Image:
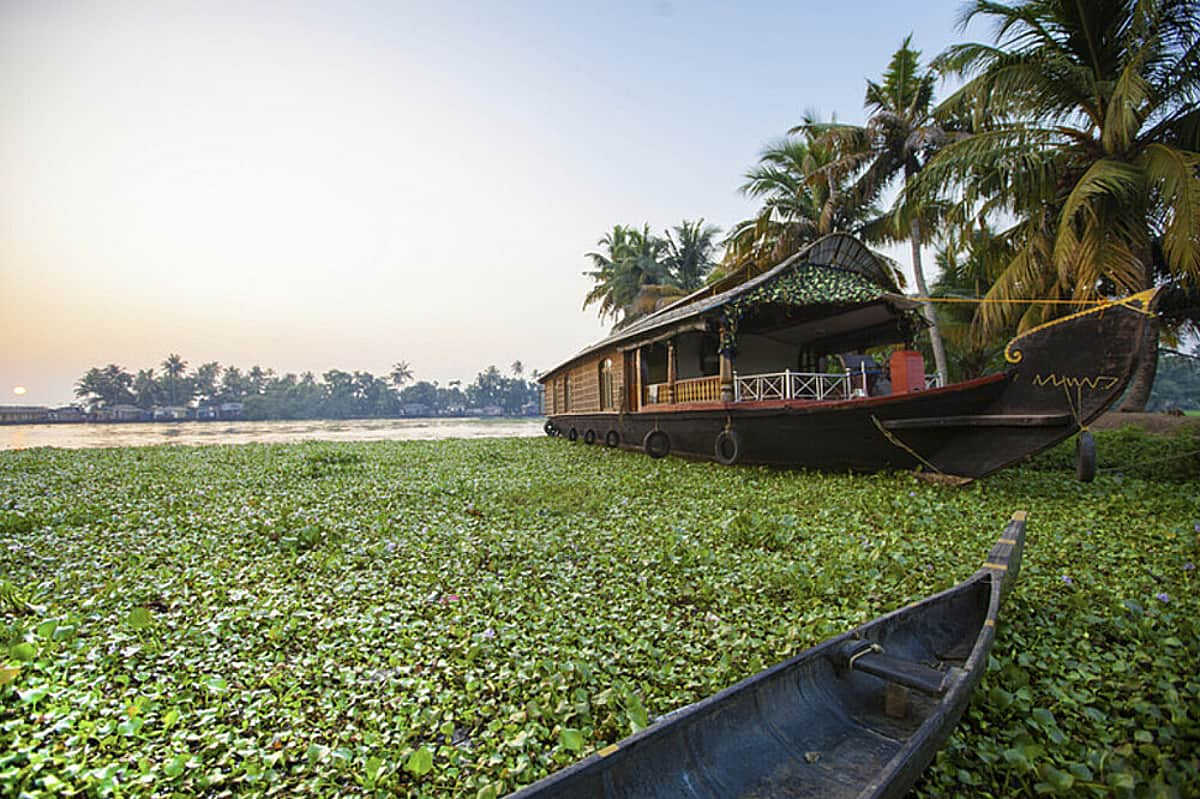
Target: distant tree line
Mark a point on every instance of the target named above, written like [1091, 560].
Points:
[336, 394]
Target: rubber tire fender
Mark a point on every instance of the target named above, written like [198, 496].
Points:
[612, 439]
[589, 437]
[550, 429]
[657, 444]
[727, 449]
[1085, 457]
[572, 434]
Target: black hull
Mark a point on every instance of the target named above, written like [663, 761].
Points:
[1063, 375]
[815, 726]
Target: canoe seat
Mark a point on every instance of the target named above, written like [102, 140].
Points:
[869, 658]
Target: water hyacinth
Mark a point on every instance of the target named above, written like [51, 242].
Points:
[257, 666]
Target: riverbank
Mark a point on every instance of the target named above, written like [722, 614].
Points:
[458, 618]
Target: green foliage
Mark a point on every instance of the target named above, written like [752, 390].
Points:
[634, 269]
[1176, 383]
[1130, 451]
[473, 615]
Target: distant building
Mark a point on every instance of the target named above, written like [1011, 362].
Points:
[68, 413]
[492, 410]
[416, 409]
[172, 413]
[122, 413]
[231, 410]
[23, 414]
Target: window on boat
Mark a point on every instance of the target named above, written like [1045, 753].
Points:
[606, 385]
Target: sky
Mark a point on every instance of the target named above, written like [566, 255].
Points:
[310, 186]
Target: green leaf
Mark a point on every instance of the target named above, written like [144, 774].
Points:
[1043, 717]
[571, 739]
[419, 762]
[139, 618]
[1059, 781]
[9, 673]
[24, 652]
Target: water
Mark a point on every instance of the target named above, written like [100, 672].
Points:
[82, 436]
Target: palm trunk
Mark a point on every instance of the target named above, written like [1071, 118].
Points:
[935, 334]
[1143, 375]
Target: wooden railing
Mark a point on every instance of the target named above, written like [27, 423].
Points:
[698, 389]
[788, 385]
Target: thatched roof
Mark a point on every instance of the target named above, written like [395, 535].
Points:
[836, 269]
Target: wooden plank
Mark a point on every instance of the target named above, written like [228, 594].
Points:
[982, 420]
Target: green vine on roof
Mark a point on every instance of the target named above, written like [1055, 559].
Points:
[806, 284]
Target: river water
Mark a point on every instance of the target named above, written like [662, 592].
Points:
[140, 434]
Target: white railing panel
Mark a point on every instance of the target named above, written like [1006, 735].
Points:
[788, 385]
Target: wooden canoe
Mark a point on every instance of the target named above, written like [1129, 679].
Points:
[860, 715]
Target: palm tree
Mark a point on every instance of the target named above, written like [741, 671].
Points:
[689, 253]
[897, 141]
[964, 273]
[626, 271]
[1088, 139]
[518, 368]
[401, 373]
[105, 387]
[174, 366]
[802, 190]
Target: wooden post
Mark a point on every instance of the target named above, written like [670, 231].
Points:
[672, 371]
[726, 372]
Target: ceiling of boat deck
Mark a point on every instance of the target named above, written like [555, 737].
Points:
[877, 323]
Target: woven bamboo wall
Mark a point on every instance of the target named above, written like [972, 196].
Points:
[584, 388]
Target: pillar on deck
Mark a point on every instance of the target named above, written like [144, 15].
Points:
[726, 371]
[672, 375]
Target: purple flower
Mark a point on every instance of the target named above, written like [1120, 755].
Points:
[1067, 580]
[1163, 597]
[489, 633]
[1189, 566]
[1196, 527]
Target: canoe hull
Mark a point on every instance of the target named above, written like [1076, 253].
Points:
[811, 726]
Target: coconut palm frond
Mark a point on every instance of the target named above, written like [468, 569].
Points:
[1174, 172]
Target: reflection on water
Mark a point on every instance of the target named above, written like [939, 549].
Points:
[76, 436]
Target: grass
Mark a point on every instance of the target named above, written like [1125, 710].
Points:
[460, 618]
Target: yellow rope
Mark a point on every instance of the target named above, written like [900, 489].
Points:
[996, 301]
[890, 436]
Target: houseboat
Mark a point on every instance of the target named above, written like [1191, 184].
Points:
[774, 370]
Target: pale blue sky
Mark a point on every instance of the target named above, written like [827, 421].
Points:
[343, 185]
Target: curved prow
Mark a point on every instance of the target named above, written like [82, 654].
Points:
[1004, 561]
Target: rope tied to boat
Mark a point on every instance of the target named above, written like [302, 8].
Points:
[891, 437]
[1101, 303]
[866, 650]
[1071, 404]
